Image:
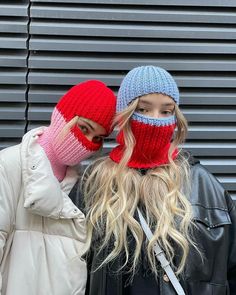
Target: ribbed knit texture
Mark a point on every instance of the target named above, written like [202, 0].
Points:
[152, 143]
[152, 135]
[145, 80]
[92, 100]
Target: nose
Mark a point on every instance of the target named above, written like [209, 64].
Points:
[156, 114]
[89, 137]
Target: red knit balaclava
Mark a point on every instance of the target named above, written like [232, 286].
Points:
[152, 135]
[91, 100]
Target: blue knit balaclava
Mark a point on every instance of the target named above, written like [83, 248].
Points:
[152, 135]
[145, 80]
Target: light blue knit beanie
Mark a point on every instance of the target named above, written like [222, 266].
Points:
[145, 80]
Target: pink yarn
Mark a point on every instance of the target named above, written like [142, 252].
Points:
[62, 152]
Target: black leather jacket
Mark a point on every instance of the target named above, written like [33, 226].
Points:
[215, 216]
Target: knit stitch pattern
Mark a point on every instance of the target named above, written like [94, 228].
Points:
[145, 80]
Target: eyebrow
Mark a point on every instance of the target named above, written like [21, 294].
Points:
[169, 104]
[145, 102]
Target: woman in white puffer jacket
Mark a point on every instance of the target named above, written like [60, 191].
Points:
[42, 233]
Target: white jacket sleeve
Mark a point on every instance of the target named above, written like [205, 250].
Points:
[7, 212]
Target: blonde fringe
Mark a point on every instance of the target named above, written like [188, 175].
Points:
[113, 192]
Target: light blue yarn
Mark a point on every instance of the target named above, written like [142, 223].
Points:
[154, 121]
[145, 80]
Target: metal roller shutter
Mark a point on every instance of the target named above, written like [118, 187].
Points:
[74, 40]
[13, 70]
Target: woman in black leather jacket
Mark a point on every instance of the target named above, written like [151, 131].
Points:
[190, 214]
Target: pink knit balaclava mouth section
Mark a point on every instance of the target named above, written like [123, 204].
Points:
[92, 100]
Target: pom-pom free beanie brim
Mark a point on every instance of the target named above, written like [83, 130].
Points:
[146, 80]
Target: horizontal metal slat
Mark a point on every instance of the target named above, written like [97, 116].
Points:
[213, 3]
[220, 166]
[13, 26]
[211, 132]
[12, 95]
[229, 183]
[13, 42]
[143, 46]
[55, 78]
[134, 15]
[44, 95]
[217, 150]
[233, 195]
[203, 98]
[10, 112]
[15, 129]
[130, 31]
[210, 115]
[13, 77]
[127, 63]
[13, 60]
[187, 97]
[114, 79]
[13, 10]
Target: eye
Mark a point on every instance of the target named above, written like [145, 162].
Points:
[141, 110]
[167, 112]
[97, 139]
[84, 129]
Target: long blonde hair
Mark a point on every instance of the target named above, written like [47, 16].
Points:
[113, 192]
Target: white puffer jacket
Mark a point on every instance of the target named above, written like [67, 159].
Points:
[42, 233]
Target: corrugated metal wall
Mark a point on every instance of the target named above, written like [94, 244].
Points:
[70, 41]
[13, 70]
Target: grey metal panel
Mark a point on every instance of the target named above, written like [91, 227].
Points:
[210, 3]
[14, 10]
[13, 76]
[13, 26]
[130, 31]
[40, 94]
[205, 97]
[13, 70]
[210, 115]
[211, 149]
[123, 63]
[13, 60]
[220, 133]
[219, 165]
[132, 14]
[13, 130]
[12, 111]
[141, 46]
[114, 79]
[194, 40]
[228, 182]
[9, 42]
[12, 94]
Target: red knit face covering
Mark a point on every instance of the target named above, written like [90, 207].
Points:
[153, 139]
[92, 100]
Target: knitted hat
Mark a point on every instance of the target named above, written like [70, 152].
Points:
[92, 100]
[145, 80]
[85, 99]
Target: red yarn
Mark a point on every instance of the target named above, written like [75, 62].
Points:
[151, 148]
[85, 99]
